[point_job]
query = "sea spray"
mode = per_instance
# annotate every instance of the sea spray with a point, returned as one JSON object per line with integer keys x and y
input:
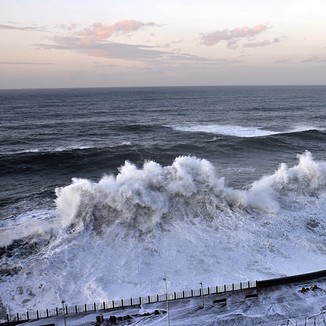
{"x": 144, "y": 197}
{"x": 116, "y": 237}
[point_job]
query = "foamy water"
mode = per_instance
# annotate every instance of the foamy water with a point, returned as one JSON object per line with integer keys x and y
{"x": 239, "y": 131}
{"x": 117, "y": 237}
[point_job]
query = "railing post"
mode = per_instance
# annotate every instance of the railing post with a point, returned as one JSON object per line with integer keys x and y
{"x": 192, "y": 293}
{"x": 38, "y": 317}
{"x": 149, "y": 299}
{"x": 17, "y": 316}
{"x": 240, "y": 285}
{"x": 57, "y": 311}
{"x": 47, "y": 313}
{"x": 175, "y": 296}
{"x": 94, "y": 306}
{"x": 183, "y": 294}
{"x": 157, "y": 298}
{"x": 122, "y": 302}
{"x": 63, "y": 312}
{"x": 27, "y": 314}
{"x": 104, "y": 305}
{"x": 85, "y": 307}
{"x": 131, "y": 301}
{"x": 113, "y": 304}
{"x": 224, "y": 287}
{"x": 8, "y": 320}
{"x": 76, "y": 309}
{"x": 208, "y": 291}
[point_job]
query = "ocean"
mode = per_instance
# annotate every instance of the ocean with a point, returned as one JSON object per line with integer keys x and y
{"x": 105, "y": 191}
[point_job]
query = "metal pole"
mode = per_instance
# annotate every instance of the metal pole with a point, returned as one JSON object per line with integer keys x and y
{"x": 64, "y": 313}
{"x": 167, "y": 299}
{"x": 202, "y": 293}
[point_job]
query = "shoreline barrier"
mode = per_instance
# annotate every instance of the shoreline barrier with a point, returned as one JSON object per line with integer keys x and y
{"x": 14, "y": 319}
{"x": 290, "y": 279}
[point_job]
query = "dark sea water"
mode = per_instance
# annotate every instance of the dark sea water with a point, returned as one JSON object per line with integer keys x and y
{"x": 198, "y": 205}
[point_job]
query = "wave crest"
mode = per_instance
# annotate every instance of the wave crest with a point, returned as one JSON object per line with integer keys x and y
{"x": 308, "y": 177}
{"x": 190, "y": 187}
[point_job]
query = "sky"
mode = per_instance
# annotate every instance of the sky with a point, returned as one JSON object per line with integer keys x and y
{"x": 114, "y": 43}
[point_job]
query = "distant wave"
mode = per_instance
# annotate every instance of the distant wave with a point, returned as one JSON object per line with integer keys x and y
{"x": 237, "y": 131}
{"x": 50, "y": 150}
{"x": 60, "y": 149}
{"x": 99, "y": 159}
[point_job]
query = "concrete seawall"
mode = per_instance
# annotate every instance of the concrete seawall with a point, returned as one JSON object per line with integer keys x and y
{"x": 290, "y": 279}
{"x": 14, "y": 319}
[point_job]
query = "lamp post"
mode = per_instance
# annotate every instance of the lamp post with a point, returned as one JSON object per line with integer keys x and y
{"x": 167, "y": 299}
{"x": 63, "y": 312}
{"x": 202, "y": 293}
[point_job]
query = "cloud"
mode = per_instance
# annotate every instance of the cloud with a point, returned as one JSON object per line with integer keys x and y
{"x": 26, "y": 63}
{"x": 121, "y": 51}
{"x": 100, "y": 32}
{"x": 112, "y": 50}
{"x": 232, "y": 36}
{"x": 261, "y": 44}
{"x": 281, "y": 61}
{"x": 149, "y": 57}
{"x": 314, "y": 60}
{"x": 20, "y": 28}
{"x": 67, "y": 27}
{"x": 95, "y": 41}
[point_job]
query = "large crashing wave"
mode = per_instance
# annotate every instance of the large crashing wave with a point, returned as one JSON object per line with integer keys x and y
{"x": 181, "y": 219}
{"x": 190, "y": 187}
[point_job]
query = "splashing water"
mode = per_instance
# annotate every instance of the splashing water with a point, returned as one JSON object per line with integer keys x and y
{"x": 117, "y": 237}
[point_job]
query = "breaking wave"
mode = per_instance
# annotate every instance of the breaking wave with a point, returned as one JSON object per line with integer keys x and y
{"x": 152, "y": 194}
{"x": 115, "y": 238}
{"x": 239, "y": 131}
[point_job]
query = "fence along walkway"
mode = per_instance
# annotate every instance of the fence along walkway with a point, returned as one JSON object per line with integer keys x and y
{"x": 122, "y": 303}
{"x": 116, "y": 304}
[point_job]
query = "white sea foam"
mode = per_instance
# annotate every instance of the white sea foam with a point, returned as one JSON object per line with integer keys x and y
{"x": 238, "y": 131}
{"x": 51, "y": 150}
{"x": 26, "y": 225}
{"x": 146, "y": 196}
{"x": 117, "y": 237}
{"x": 67, "y": 148}
{"x": 227, "y": 130}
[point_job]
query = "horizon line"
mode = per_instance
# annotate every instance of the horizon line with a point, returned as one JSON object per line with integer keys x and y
{"x": 161, "y": 86}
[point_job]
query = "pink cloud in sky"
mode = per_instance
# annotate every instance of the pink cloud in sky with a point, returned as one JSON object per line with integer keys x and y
{"x": 232, "y": 36}
{"x": 99, "y": 32}
{"x": 95, "y": 41}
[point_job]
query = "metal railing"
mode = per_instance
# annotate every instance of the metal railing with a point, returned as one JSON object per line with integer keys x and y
{"x": 122, "y": 303}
